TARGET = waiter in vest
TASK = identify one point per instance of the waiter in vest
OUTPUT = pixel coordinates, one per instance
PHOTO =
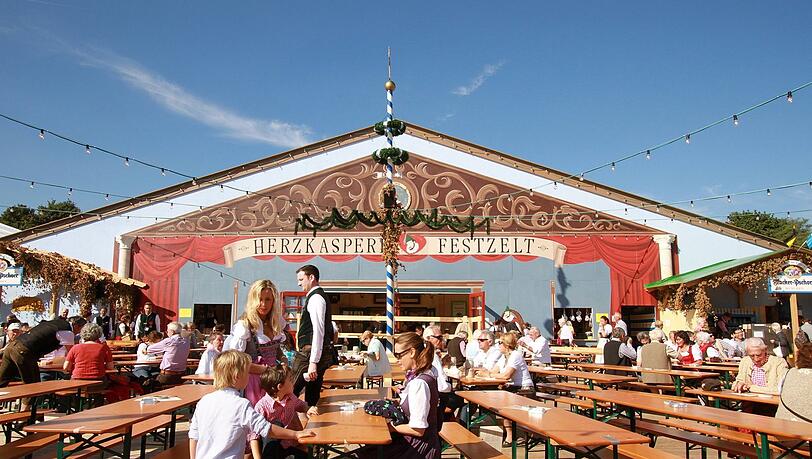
(105, 322)
(147, 322)
(313, 338)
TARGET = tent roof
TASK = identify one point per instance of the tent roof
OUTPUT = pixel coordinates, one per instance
(707, 271)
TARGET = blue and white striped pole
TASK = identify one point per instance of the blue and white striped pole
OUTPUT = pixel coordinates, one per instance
(390, 269)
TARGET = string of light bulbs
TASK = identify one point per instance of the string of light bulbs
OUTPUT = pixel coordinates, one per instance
(648, 151)
(89, 148)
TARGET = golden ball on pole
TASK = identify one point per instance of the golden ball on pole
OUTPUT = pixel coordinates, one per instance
(389, 85)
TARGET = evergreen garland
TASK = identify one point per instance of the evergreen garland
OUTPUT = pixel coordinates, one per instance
(396, 127)
(432, 220)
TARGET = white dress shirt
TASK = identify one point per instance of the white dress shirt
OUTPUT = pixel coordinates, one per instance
(417, 395)
(317, 308)
(488, 359)
(221, 424)
(442, 380)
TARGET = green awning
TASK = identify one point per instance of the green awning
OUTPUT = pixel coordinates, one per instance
(710, 270)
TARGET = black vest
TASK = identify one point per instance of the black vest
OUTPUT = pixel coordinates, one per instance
(455, 351)
(104, 323)
(146, 324)
(611, 356)
(304, 335)
(42, 339)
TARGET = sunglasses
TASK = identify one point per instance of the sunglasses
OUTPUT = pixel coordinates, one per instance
(399, 355)
(483, 339)
(437, 337)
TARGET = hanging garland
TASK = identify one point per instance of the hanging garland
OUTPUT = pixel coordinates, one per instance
(394, 155)
(752, 276)
(49, 270)
(396, 127)
(433, 220)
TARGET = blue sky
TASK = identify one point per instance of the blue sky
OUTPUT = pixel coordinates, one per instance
(200, 87)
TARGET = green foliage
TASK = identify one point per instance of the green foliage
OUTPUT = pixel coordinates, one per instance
(23, 217)
(433, 220)
(766, 224)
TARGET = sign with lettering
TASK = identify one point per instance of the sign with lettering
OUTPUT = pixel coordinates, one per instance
(795, 277)
(410, 244)
(10, 275)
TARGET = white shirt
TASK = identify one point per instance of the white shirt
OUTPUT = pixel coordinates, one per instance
(622, 325)
(143, 356)
(317, 308)
(471, 349)
(206, 365)
(487, 359)
(418, 396)
(521, 375)
(381, 366)
(138, 323)
(565, 332)
(442, 380)
(607, 331)
(221, 424)
(540, 349)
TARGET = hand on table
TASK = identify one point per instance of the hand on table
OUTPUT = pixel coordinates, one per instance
(740, 387)
(312, 411)
(305, 433)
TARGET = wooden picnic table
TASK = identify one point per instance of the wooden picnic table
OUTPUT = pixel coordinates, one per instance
(762, 426)
(334, 426)
(563, 427)
(344, 375)
(678, 375)
(477, 381)
(118, 418)
(720, 395)
(31, 390)
(589, 376)
(583, 350)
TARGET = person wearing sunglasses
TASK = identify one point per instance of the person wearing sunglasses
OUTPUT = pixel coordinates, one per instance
(488, 354)
(434, 335)
(511, 366)
(419, 399)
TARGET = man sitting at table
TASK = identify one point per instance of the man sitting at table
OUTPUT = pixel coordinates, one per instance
(654, 355)
(537, 346)
(618, 352)
(176, 351)
(488, 354)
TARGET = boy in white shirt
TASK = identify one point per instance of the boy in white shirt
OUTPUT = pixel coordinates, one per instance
(223, 419)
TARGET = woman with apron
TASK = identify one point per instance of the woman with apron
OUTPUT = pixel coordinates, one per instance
(259, 333)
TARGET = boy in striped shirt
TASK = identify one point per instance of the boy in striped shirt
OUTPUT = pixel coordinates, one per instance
(279, 406)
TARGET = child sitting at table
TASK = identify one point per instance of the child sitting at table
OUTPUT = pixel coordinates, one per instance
(279, 406)
(143, 372)
(223, 419)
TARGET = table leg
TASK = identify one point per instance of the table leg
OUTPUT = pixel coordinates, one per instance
(172, 426)
(614, 452)
(548, 449)
(678, 385)
(60, 447)
(128, 439)
(513, 443)
(764, 449)
(33, 419)
(632, 419)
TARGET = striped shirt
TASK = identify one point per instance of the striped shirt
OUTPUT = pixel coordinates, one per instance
(280, 411)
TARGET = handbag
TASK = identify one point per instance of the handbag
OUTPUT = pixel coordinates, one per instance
(388, 409)
(711, 384)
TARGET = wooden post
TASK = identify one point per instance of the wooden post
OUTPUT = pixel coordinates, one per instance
(793, 311)
(55, 300)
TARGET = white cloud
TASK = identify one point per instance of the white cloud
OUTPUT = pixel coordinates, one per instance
(487, 72)
(446, 117)
(178, 100)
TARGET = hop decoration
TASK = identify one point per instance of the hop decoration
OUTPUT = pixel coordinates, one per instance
(27, 304)
(433, 220)
(396, 127)
(392, 154)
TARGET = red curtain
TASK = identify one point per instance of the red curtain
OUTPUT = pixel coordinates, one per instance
(633, 261)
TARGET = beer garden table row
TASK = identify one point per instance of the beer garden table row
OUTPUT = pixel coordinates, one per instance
(678, 375)
(762, 426)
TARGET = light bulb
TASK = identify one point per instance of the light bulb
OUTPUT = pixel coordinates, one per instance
(692, 204)
(687, 138)
(735, 120)
(32, 185)
(648, 154)
(194, 181)
(70, 191)
(127, 162)
(106, 197)
(555, 185)
(613, 166)
(163, 172)
(221, 188)
(531, 192)
(581, 178)
(789, 96)
(626, 211)
(42, 134)
(729, 199)
(768, 192)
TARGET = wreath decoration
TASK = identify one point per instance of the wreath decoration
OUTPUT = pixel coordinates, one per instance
(396, 127)
(391, 154)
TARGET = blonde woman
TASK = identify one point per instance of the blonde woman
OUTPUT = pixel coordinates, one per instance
(259, 333)
(511, 366)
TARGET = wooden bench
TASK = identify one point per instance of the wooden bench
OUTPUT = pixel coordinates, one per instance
(652, 388)
(563, 386)
(27, 445)
(571, 401)
(179, 451)
(723, 433)
(630, 452)
(468, 444)
(689, 438)
(8, 421)
(673, 398)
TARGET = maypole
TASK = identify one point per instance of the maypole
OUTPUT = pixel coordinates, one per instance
(391, 265)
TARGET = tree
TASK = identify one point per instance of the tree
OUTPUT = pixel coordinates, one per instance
(23, 217)
(767, 224)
